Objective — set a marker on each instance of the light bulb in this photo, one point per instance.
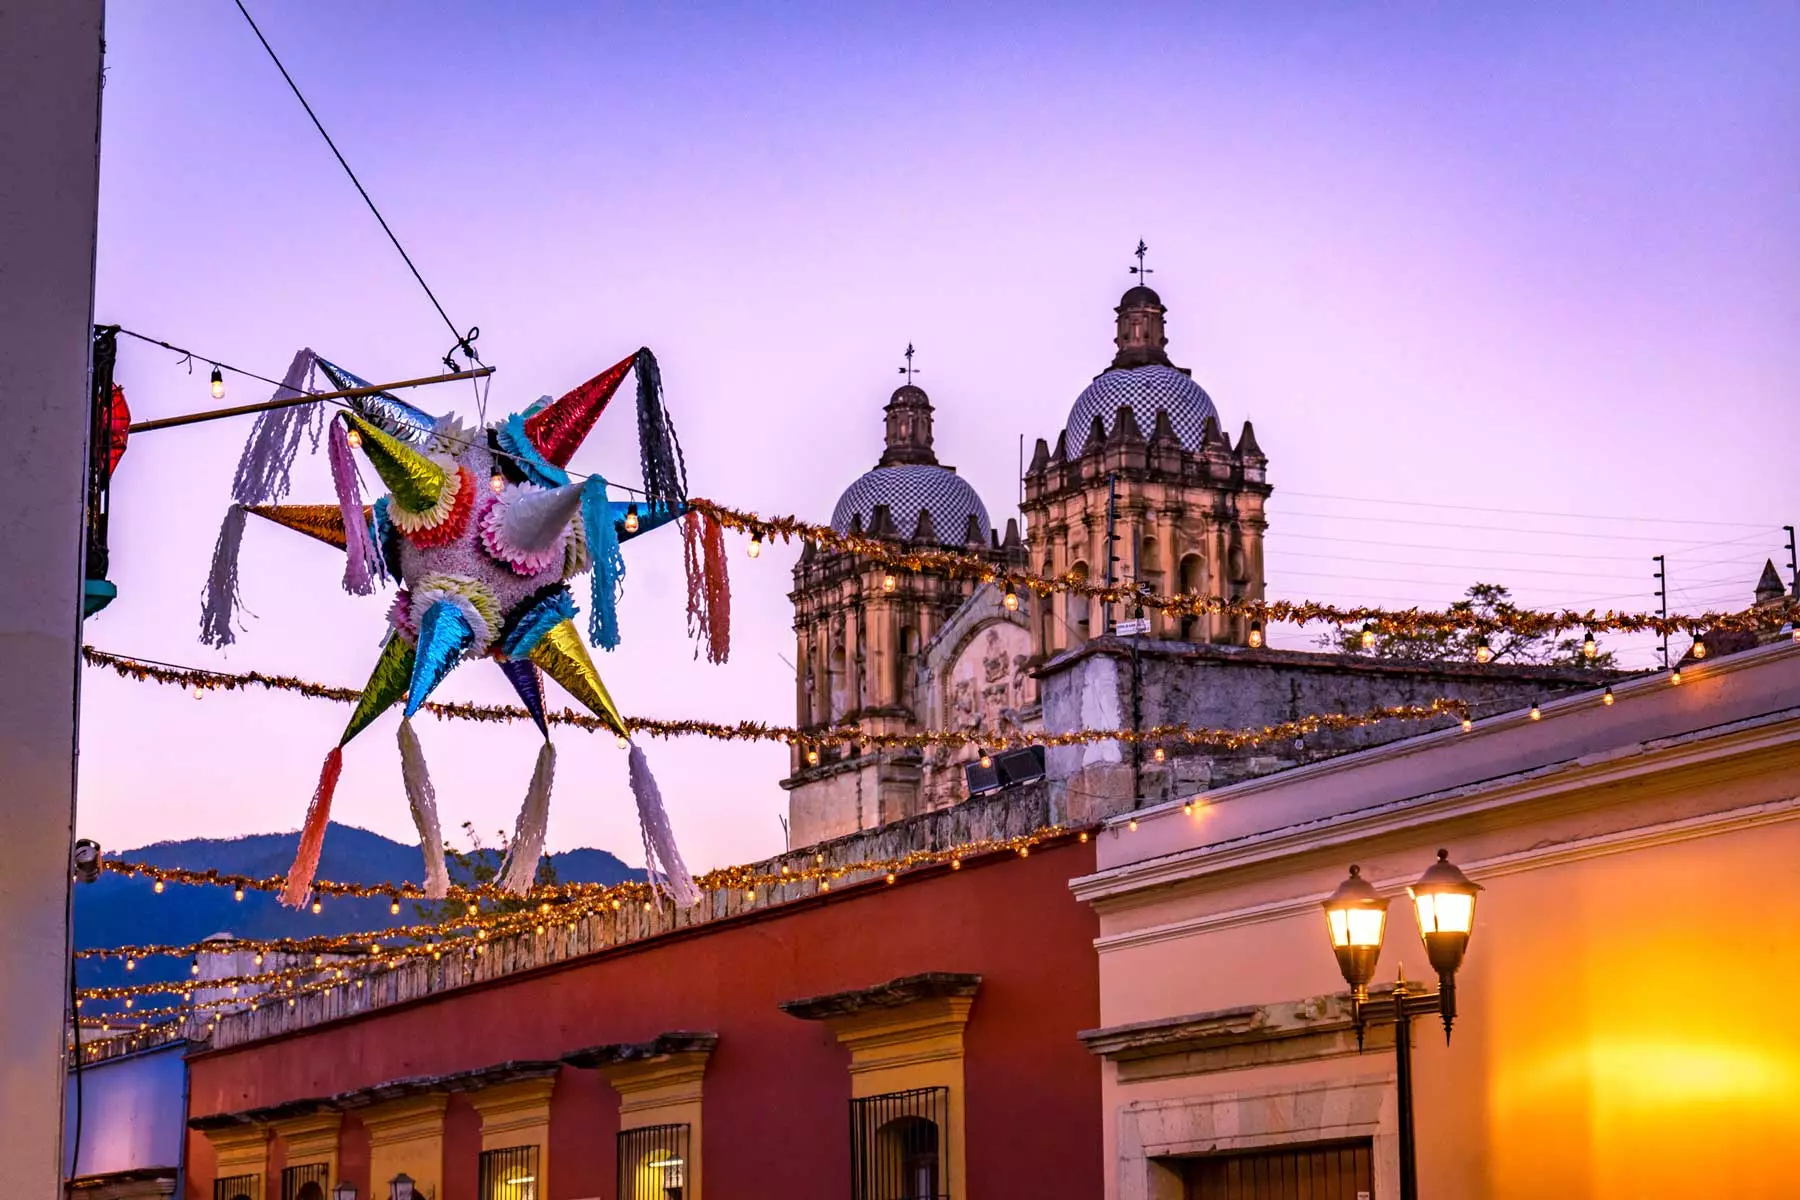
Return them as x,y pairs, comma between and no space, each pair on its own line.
1024,851
354,439
631,518
1256,634
131,964
1011,599
888,582
1675,675
956,864
1589,647
1467,724
158,887
259,958
496,483
394,907
1698,649
237,894
1537,714
1084,837
891,877
218,384
1606,697
1368,635
318,906
194,967
1483,651
199,692
624,742
986,760
812,758
1160,755
824,885
755,549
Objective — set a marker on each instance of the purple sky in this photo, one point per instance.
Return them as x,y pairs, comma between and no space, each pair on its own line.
1529,262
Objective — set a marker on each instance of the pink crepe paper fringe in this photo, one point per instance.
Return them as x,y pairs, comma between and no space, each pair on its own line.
360,562
312,834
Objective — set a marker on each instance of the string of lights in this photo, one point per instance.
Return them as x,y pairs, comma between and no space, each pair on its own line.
897,556
577,899
200,681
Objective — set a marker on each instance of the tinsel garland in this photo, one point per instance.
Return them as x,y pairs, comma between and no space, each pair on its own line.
1407,622
792,735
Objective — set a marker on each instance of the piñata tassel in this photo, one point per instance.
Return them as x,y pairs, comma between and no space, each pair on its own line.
709,585
265,466
519,871
665,472
421,797
608,563
218,610
662,859
360,562
312,834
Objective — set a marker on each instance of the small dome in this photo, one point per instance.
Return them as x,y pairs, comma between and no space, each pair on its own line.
910,393
1138,296
909,490
1144,390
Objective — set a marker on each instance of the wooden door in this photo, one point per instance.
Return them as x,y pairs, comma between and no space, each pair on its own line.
1338,1171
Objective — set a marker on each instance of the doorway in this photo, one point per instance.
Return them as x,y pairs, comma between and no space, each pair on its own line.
1331,1171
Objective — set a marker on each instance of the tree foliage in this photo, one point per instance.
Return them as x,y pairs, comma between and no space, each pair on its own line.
477,865
1491,602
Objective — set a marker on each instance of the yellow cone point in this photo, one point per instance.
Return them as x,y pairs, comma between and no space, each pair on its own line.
565,659
322,521
413,480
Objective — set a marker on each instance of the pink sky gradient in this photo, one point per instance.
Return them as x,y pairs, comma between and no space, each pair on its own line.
1522,261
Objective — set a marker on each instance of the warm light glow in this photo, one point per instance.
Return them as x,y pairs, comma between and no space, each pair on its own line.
1483,652
1606,697
1698,649
1445,912
218,384
1356,926
354,439
1675,675
1368,635
1467,724
1011,599
1160,755
497,483
394,907
631,519
1132,824
624,742
318,906
986,760
237,894
755,545
1256,634
1589,647
888,582
1537,714
812,758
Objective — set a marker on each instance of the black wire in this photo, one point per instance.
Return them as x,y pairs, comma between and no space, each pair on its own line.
224,366
464,341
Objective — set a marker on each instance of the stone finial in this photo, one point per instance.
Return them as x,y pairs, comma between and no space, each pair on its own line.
926,529
1769,588
1011,541
881,522
1247,447
1164,430
908,428
1125,431
1211,436
1061,453
1140,339
972,530
1096,438
1040,458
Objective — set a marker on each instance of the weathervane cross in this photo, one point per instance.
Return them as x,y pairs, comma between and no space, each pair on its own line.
908,369
1141,270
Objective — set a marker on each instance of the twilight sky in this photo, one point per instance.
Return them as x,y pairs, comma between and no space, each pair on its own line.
1469,271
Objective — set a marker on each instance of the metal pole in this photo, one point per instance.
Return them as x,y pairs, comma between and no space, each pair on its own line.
373,389
50,62
1409,1170
1112,558
1662,598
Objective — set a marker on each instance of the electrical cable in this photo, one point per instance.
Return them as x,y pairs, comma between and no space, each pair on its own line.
1523,512
464,341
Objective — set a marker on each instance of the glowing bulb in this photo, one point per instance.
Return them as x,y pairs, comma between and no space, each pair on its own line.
199,692
1675,675
956,864
1698,650
1160,755
750,894
888,582
237,894
1132,825
812,758
218,384
1256,634
1483,652
1024,851
474,907
496,483
631,518
394,907
1368,635
1011,599
755,549
354,439
128,1002
194,967
987,760
891,877
318,960
1467,724
1084,837
1589,647
1188,808
1537,714
824,885
131,964
158,887
1606,697
624,742
318,906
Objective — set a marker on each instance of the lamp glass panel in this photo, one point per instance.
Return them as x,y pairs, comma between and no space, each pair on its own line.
1445,912
1356,926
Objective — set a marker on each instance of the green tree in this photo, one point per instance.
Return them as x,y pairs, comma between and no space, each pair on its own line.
477,865
1491,602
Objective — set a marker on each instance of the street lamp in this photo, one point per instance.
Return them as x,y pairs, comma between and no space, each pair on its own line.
1356,917
345,1190
401,1187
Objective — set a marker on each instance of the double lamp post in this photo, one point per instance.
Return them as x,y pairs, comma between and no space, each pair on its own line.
1356,915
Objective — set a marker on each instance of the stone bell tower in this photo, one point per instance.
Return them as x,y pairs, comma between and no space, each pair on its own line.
1144,455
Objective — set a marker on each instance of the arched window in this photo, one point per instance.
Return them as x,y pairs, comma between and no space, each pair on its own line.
1193,579
898,1145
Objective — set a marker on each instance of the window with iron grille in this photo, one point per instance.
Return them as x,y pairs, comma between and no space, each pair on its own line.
305,1182
653,1162
900,1146
238,1187
510,1174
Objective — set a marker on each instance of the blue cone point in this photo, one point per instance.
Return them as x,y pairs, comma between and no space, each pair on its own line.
444,634
649,516
522,673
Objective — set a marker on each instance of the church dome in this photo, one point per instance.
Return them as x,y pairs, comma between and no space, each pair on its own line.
909,490
1143,390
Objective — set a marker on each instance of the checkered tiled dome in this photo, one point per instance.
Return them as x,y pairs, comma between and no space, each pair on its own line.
908,490
1145,389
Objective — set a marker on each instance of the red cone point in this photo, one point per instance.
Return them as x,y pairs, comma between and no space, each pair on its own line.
558,429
